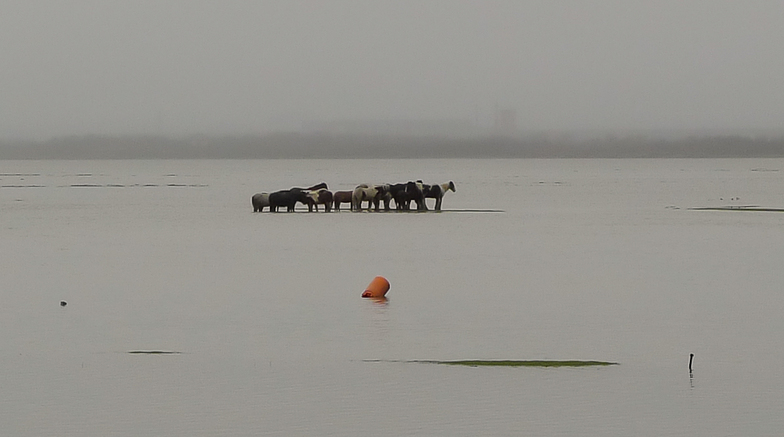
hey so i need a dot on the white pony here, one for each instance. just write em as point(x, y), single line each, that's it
point(372, 194)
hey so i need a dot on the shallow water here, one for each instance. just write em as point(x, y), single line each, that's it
point(589, 260)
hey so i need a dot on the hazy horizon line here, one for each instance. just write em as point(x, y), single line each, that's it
point(385, 146)
point(470, 132)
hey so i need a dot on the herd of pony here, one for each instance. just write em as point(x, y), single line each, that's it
point(374, 194)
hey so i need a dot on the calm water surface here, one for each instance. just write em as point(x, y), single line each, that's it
point(589, 260)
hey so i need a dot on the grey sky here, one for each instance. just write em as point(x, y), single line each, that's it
point(188, 66)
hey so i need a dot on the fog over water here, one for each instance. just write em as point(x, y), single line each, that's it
point(182, 67)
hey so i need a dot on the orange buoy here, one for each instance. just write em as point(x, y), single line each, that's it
point(378, 287)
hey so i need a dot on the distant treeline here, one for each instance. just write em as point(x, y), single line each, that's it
point(298, 146)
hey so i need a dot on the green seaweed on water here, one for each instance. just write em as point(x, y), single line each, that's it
point(507, 363)
point(521, 363)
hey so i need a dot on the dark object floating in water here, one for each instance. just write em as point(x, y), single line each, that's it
point(63, 303)
point(749, 208)
point(154, 352)
point(507, 363)
point(691, 359)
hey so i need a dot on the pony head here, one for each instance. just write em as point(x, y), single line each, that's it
point(313, 194)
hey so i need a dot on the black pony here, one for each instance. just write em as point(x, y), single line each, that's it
point(403, 194)
point(287, 198)
point(313, 188)
point(437, 192)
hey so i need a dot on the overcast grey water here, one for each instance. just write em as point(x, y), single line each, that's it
point(587, 260)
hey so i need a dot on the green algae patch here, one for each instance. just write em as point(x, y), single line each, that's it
point(749, 208)
point(516, 363)
point(506, 363)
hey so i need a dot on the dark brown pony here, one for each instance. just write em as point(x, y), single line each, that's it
point(319, 197)
point(342, 197)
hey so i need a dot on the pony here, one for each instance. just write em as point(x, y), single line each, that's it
point(322, 185)
point(437, 192)
point(259, 201)
point(403, 194)
point(321, 196)
point(342, 197)
point(384, 196)
point(287, 198)
point(372, 194)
